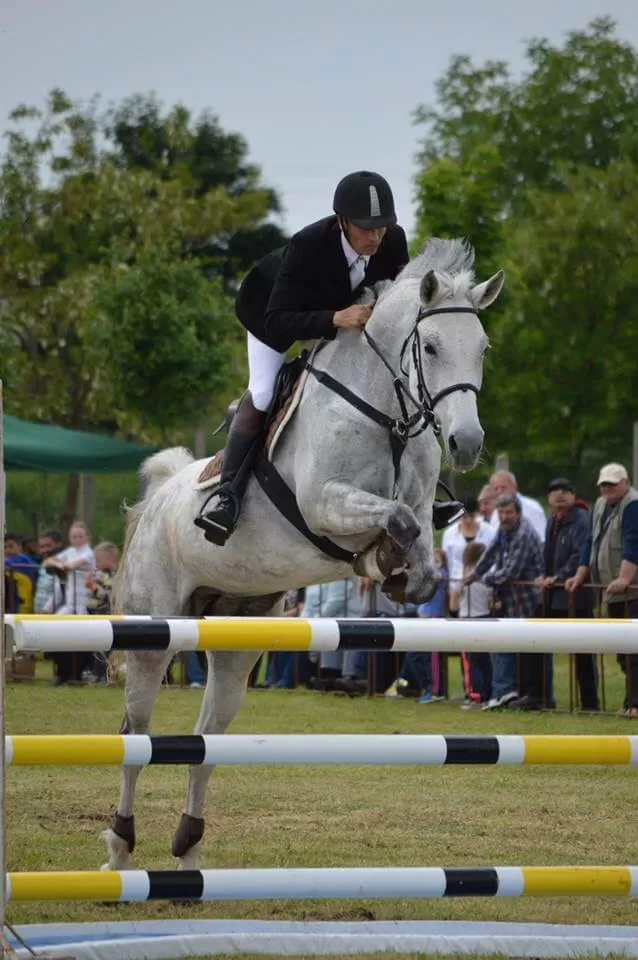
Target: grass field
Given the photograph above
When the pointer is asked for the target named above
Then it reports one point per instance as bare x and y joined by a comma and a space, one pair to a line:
328, 816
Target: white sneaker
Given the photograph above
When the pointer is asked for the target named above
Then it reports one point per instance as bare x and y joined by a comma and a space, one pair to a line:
503, 701
507, 698
195, 685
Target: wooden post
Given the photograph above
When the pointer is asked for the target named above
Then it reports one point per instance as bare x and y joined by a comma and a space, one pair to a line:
200, 443
86, 499
502, 462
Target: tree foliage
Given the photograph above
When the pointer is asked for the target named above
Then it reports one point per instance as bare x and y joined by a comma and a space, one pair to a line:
75, 221
540, 172
166, 342
204, 157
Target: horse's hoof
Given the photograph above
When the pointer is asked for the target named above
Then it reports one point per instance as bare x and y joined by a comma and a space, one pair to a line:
403, 528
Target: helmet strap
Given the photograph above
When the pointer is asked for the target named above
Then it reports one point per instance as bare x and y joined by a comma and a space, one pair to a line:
343, 223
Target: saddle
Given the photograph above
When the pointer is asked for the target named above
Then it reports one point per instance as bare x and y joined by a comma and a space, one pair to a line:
288, 391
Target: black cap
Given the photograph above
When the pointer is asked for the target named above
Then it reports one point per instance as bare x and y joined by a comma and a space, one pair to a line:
561, 483
365, 199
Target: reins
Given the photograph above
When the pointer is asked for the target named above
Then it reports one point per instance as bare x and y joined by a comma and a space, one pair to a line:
424, 416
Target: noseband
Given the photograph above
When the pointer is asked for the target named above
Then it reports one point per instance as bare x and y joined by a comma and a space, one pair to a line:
424, 416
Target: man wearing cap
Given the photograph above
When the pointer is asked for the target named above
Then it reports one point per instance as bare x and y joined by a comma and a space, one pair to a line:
568, 531
610, 557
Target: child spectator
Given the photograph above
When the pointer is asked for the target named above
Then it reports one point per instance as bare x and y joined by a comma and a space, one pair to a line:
99, 582
420, 672
475, 601
20, 575
99, 587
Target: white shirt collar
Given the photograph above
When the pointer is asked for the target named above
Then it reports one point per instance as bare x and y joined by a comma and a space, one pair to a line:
351, 255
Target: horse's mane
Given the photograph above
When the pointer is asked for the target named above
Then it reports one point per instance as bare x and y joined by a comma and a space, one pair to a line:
453, 261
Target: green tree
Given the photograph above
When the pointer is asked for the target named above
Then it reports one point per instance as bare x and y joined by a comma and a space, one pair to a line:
166, 341
564, 349
72, 221
174, 145
539, 172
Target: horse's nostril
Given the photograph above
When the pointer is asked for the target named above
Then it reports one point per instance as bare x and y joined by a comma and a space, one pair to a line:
453, 444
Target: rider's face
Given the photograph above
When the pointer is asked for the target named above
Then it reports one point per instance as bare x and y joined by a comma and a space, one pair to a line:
365, 242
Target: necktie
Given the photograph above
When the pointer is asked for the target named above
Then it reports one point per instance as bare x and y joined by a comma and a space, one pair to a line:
357, 272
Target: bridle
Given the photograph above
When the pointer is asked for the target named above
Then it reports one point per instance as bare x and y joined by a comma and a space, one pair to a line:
405, 426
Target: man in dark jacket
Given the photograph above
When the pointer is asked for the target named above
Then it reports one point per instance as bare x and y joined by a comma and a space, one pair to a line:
306, 291
568, 529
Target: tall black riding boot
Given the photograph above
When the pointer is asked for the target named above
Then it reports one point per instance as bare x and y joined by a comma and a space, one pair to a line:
244, 442
445, 512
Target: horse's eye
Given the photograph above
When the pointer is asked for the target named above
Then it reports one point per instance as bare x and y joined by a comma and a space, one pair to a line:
430, 349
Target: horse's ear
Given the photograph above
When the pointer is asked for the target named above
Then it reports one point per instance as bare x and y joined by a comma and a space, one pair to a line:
429, 288
483, 294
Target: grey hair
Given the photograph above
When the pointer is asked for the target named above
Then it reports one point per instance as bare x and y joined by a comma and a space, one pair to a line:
507, 473
510, 500
449, 257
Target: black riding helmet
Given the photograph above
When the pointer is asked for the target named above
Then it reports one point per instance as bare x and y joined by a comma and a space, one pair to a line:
365, 199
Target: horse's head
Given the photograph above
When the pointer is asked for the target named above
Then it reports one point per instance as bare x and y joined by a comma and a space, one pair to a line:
449, 348
447, 343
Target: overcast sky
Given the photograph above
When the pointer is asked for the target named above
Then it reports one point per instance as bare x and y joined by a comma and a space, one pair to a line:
317, 88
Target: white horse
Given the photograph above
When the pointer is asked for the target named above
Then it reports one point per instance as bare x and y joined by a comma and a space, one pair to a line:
338, 461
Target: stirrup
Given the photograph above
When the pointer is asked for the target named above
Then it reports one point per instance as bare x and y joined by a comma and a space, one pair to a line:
214, 531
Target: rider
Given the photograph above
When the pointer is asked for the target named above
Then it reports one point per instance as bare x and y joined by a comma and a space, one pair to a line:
305, 291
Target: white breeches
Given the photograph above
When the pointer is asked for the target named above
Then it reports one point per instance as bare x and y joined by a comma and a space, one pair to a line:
264, 364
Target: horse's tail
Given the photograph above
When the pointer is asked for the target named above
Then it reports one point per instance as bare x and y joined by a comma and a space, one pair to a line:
159, 468
155, 471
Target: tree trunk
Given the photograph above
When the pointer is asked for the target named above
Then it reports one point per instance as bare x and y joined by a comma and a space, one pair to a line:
69, 511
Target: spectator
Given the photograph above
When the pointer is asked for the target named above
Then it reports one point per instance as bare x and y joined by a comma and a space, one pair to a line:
516, 555
475, 602
339, 598
99, 586
70, 595
568, 530
610, 556
471, 527
503, 482
487, 502
49, 544
282, 667
20, 573
420, 675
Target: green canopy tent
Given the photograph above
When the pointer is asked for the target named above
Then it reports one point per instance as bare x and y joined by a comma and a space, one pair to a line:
49, 449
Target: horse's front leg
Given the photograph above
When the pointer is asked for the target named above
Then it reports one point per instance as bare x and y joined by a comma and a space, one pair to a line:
225, 688
343, 510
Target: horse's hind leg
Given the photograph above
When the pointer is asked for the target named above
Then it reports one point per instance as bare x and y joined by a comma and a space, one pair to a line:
225, 689
144, 673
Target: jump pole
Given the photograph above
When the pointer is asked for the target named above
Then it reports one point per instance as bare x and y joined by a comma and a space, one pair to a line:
59, 635
339, 749
332, 883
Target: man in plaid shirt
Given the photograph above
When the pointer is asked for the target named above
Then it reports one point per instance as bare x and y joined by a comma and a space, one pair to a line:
515, 554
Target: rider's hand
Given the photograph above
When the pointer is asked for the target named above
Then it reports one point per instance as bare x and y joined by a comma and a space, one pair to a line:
354, 317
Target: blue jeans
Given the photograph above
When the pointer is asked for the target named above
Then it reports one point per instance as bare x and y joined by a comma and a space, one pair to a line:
194, 668
503, 674
417, 670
